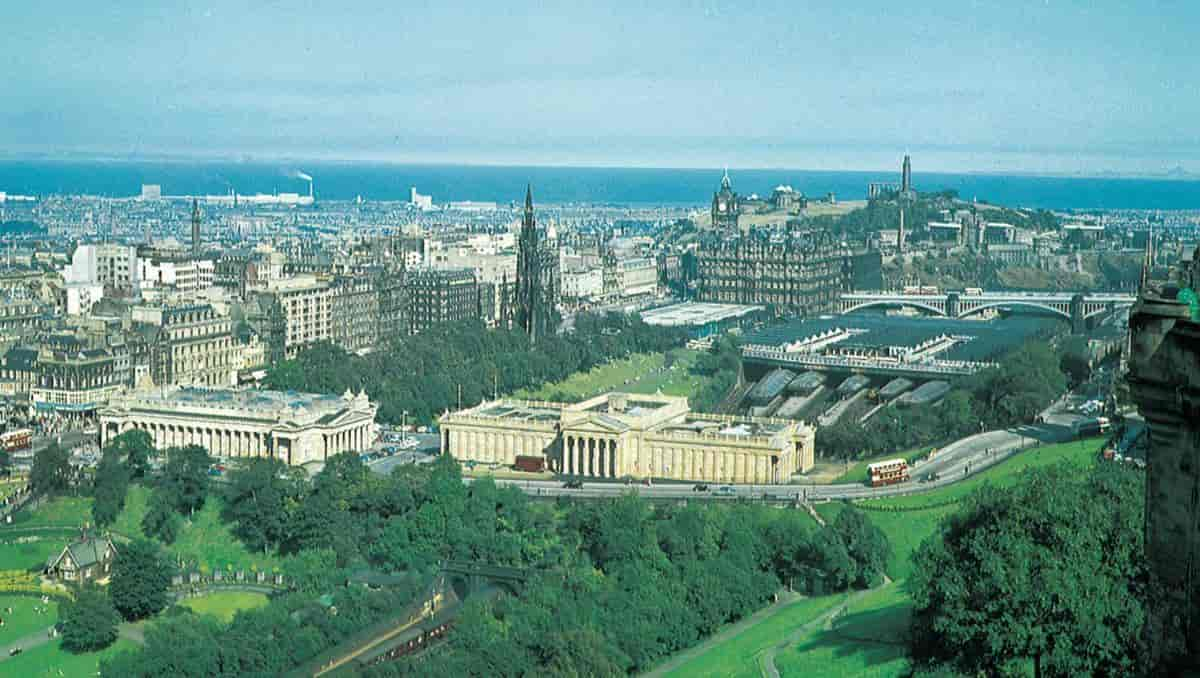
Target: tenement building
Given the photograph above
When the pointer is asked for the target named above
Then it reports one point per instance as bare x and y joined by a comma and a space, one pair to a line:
295, 428
441, 296
189, 344
625, 435
800, 272
1164, 380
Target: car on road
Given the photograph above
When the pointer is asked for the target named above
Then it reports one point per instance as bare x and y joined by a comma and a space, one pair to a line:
700, 487
726, 490
573, 485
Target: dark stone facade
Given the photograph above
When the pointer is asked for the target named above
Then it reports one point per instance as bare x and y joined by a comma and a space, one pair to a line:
1164, 380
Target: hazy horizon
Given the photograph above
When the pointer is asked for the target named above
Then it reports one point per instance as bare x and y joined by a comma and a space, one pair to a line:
983, 86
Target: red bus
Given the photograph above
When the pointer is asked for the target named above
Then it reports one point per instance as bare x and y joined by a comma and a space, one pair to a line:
887, 472
19, 439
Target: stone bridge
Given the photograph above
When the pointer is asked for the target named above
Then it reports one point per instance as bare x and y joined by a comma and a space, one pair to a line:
1076, 308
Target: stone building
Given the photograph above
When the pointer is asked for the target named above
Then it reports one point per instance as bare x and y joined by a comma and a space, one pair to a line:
1164, 380
189, 344
801, 272
355, 312
292, 314
440, 296
296, 428
640, 436
85, 559
74, 382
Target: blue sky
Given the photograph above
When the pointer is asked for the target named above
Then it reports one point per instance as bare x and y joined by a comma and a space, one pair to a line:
965, 86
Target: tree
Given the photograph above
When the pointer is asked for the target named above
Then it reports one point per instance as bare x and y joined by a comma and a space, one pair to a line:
5, 462
89, 621
186, 478
161, 520
865, 543
260, 499
141, 575
135, 448
51, 472
1044, 573
111, 485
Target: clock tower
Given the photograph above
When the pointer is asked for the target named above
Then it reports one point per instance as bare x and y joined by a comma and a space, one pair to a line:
725, 207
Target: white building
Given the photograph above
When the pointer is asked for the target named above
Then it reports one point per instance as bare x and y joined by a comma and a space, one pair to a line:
421, 202
295, 428
108, 264
80, 297
582, 284
636, 276
184, 276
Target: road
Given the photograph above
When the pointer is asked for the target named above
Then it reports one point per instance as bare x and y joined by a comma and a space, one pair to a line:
953, 463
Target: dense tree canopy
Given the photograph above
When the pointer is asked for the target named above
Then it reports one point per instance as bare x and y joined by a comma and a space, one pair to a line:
51, 472
135, 448
141, 575
614, 586
111, 484
1044, 573
88, 621
422, 374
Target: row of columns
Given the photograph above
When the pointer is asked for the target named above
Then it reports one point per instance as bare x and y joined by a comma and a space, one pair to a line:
590, 456
355, 439
713, 465
495, 446
237, 442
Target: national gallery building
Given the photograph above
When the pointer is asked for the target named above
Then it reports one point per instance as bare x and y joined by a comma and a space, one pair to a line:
294, 427
641, 436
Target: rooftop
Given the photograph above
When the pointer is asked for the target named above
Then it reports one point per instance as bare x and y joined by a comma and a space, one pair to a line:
693, 313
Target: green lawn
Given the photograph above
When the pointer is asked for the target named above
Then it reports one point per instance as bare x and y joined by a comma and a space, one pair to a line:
869, 639
57, 512
24, 619
51, 661
639, 373
223, 605
738, 656
16, 555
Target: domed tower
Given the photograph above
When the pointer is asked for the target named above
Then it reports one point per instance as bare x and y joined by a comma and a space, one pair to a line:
725, 207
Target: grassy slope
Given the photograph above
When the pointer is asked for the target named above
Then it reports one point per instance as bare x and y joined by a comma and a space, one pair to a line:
738, 656
640, 373
869, 639
225, 604
25, 555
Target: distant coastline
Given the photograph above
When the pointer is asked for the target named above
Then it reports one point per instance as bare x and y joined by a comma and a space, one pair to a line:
345, 180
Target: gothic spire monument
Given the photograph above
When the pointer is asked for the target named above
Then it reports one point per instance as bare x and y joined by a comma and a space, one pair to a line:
537, 273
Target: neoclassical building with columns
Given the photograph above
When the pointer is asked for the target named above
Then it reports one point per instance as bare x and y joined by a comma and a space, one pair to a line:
620, 435
296, 428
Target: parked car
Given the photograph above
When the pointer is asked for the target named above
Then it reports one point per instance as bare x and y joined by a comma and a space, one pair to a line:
573, 485
700, 487
726, 489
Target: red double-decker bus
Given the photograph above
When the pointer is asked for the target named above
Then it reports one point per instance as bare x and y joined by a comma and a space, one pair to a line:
887, 472
19, 439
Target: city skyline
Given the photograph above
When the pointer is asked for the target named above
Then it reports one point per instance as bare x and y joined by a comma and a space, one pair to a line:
968, 88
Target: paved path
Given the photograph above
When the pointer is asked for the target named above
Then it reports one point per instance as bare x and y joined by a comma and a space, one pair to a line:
678, 659
26, 642
766, 661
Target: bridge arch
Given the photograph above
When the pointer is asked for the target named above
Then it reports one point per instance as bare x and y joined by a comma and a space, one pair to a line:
893, 303
1107, 307
1010, 302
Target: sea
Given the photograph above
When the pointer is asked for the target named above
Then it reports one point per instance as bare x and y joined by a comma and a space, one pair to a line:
568, 185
